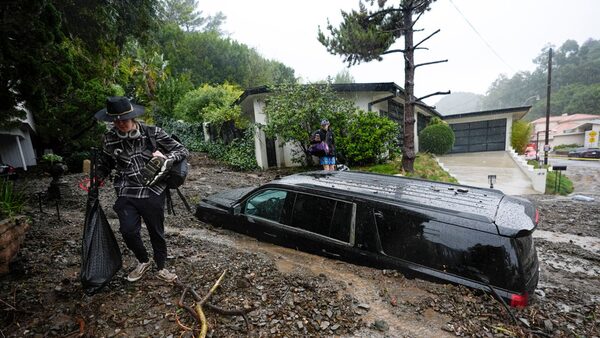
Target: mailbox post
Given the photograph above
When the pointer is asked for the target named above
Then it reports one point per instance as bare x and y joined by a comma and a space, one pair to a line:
559, 169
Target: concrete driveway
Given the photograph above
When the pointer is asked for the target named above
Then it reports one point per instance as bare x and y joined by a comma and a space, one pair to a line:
474, 168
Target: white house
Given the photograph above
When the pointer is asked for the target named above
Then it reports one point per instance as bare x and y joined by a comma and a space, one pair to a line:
16, 147
386, 98
487, 130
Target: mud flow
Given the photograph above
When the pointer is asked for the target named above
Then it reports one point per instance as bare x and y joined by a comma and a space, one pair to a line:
290, 293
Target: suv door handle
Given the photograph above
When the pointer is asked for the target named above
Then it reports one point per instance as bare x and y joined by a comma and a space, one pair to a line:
331, 253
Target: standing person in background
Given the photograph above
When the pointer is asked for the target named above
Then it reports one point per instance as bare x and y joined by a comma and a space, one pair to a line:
326, 135
140, 191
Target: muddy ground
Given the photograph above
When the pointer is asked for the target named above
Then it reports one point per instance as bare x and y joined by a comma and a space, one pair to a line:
287, 293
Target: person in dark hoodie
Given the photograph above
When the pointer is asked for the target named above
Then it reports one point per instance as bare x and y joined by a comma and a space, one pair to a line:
140, 191
325, 134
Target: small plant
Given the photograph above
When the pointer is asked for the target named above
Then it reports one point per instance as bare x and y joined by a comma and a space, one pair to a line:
520, 134
11, 202
52, 158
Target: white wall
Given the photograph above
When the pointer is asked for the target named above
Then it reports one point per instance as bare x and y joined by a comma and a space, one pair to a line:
260, 149
16, 150
571, 138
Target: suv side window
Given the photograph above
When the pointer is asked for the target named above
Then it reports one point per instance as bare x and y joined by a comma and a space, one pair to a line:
367, 237
267, 204
402, 234
323, 216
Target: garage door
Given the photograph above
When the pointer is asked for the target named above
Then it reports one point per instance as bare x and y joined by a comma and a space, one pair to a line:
479, 136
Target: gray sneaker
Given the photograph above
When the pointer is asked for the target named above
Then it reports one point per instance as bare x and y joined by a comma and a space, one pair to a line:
138, 272
166, 275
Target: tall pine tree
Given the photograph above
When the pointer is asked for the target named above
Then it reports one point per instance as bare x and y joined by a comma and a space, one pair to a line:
367, 35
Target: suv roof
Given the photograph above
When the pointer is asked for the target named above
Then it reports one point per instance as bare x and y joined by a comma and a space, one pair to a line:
449, 197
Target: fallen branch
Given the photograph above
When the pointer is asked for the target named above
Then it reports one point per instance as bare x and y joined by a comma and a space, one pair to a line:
212, 290
197, 312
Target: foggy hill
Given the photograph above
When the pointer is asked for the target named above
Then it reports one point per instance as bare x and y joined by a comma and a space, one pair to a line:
459, 102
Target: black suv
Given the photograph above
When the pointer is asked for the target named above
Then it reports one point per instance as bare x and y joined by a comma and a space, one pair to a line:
476, 237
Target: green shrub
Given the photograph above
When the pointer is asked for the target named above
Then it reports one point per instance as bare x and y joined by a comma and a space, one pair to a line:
436, 139
567, 146
520, 135
190, 134
239, 154
367, 137
11, 201
563, 187
435, 120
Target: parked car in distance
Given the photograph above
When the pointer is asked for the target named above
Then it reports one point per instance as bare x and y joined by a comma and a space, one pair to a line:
7, 171
585, 153
471, 236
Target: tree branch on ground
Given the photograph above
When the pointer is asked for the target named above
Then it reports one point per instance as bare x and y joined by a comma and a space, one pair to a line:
197, 312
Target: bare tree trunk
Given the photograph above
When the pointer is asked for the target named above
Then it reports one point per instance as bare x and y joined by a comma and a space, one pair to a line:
408, 148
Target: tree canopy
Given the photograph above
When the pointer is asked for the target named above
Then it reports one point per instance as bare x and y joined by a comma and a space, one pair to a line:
61, 59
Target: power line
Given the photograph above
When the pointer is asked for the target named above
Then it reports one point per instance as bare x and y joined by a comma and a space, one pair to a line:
481, 37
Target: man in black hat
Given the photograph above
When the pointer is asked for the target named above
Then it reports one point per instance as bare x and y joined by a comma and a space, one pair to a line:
140, 192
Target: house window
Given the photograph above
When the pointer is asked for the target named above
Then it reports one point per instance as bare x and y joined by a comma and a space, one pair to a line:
396, 114
422, 122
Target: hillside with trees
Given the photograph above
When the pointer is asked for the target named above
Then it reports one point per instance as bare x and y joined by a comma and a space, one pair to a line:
575, 82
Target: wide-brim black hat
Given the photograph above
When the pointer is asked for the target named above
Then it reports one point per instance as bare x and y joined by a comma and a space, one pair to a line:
119, 108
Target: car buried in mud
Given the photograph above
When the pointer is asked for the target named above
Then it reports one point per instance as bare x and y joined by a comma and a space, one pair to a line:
471, 236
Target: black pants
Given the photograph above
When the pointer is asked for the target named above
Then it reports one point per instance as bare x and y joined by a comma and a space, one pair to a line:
131, 211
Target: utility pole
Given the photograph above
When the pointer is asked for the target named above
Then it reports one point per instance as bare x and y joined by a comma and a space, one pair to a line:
546, 146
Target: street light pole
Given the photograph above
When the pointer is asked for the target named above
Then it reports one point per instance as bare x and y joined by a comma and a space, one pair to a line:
537, 147
546, 146
536, 97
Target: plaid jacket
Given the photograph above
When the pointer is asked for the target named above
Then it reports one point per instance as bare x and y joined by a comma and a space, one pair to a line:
128, 156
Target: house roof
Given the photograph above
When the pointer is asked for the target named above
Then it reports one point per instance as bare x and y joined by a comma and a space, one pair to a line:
566, 118
518, 113
390, 87
565, 127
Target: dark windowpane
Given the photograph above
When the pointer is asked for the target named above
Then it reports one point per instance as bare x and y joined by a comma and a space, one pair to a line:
267, 204
313, 213
366, 232
401, 234
340, 225
323, 216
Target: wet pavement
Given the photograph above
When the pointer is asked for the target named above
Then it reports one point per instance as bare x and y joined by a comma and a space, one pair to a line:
473, 169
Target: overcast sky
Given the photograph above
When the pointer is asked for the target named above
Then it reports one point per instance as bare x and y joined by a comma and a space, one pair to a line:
490, 37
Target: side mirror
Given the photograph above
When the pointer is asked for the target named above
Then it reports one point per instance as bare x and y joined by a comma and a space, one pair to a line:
237, 209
